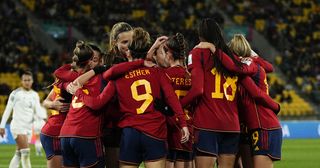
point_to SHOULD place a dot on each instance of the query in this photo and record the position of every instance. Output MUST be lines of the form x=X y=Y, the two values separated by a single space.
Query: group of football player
x=151 y=103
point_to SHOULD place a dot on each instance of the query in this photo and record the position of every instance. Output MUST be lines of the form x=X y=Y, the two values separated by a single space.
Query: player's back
x=181 y=83
x=81 y=121
x=136 y=92
x=254 y=114
x=217 y=107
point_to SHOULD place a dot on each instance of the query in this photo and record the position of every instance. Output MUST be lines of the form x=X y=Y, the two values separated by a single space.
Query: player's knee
x=25 y=152
x=18 y=153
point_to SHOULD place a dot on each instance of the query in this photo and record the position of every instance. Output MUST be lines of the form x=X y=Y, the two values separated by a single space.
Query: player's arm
x=197 y=78
x=39 y=112
x=97 y=102
x=173 y=102
x=227 y=62
x=51 y=103
x=246 y=69
x=7 y=113
x=267 y=66
x=65 y=73
x=260 y=96
x=120 y=69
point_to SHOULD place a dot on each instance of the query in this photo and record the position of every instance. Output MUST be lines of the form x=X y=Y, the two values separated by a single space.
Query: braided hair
x=177 y=45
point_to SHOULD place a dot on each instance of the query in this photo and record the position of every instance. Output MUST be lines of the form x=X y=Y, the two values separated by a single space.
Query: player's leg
x=206 y=148
x=228 y=148
x=68 y=156
x=226 y=160
x=15 y=161
x=246 y=157
x=112 y=138
x=130 y=148
x=23 y=146
x=266 y=146
x=52 y=148
x=156 y=164
x=37 y=125
x=203 y=161
x=55 y=162
x=262 y=161
x=171 y=157
x=89 y=152
x=238 y=162
x=127 y=165
x=155 y=151
x=184 y=159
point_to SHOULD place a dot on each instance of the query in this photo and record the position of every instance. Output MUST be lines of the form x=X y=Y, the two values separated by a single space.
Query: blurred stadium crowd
x=292 y=26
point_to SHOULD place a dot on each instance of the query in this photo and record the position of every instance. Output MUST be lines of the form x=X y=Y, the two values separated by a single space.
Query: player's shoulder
x=34 y=93
x=16 y=91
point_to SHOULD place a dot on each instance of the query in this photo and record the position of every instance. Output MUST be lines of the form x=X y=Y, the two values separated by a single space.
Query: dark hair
x=210 y=31
x=26 y=72
x=82 y=54
x=141 y=43
x=95 y=47
x=176 y=44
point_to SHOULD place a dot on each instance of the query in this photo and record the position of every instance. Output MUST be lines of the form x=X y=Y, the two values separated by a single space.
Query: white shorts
x=21 y=131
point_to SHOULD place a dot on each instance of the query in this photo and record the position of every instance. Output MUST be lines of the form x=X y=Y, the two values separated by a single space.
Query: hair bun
x=182 y=45
x=80 y=43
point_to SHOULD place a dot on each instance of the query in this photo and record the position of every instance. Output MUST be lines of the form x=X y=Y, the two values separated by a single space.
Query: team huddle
x=156 y=104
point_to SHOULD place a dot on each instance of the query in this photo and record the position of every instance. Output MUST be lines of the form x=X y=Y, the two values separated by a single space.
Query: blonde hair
x=240 y=46
x=118 y=28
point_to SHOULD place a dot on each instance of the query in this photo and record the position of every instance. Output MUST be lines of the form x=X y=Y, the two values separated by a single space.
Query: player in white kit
x=25 y=104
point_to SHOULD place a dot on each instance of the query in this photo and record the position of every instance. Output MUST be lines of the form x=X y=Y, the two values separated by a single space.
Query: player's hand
x=2 y=132
x=155 y=46
x=58 y=105
x=73 y=87
x=185 y=134
x=149 y=63
x=246 y=60
x=208 y=45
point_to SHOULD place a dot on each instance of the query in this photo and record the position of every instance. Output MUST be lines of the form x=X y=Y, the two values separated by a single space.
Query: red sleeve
x=64 y=73
x=257 y=94
x=172 y=99
x=267 y=66
x=97 y=102
x=197 y=78
x=121 y=68
x=231 y=66
x=63 y=85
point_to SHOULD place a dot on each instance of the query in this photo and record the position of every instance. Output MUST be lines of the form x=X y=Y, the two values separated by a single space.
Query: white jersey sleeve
x=40 y=113
x=8 y=110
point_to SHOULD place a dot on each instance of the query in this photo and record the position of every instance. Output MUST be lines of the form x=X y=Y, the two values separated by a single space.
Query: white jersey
x=25 y=105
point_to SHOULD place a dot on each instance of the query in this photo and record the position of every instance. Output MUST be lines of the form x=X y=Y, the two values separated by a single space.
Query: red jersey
x=55 y=121
x=254 y=114
x=136 y=91
x=265 y=64
x=80 y=120
x=181 y=82
x=217 y=105
x=216 y=108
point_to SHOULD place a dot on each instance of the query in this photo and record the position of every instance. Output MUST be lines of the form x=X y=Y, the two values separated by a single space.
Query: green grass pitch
x=295 y=153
